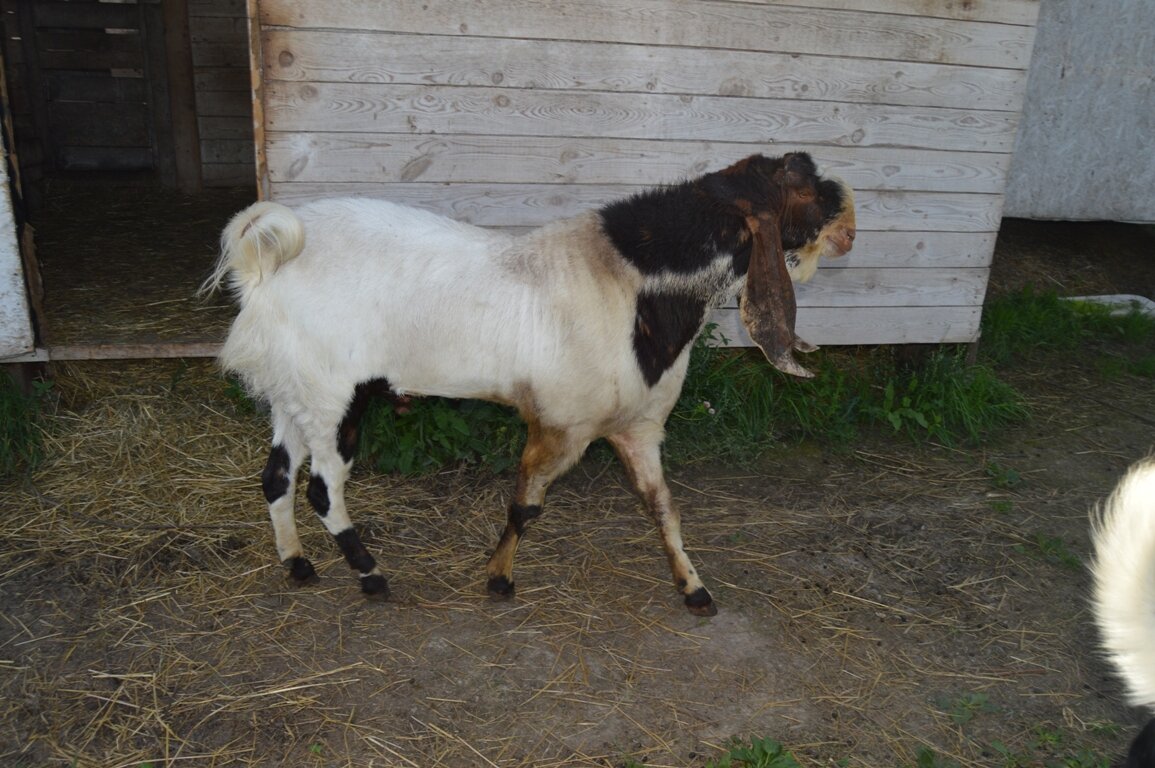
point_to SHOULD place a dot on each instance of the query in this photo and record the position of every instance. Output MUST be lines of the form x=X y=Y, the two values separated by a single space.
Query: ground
x=875 y=602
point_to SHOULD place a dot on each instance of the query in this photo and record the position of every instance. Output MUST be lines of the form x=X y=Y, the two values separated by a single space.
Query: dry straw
x=145 y=621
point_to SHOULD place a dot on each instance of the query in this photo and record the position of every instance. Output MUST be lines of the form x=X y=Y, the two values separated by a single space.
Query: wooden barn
x=510 y=114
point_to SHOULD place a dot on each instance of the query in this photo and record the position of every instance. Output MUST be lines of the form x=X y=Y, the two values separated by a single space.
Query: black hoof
x=301 y=572
x=700 y=603
x=375 y=587
x=499 y=588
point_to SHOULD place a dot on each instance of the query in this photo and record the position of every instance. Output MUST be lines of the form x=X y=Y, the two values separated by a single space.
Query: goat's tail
x=256 y=242
x=1124 y=580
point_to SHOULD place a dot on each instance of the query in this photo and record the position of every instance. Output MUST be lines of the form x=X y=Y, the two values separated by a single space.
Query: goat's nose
x=850 y=233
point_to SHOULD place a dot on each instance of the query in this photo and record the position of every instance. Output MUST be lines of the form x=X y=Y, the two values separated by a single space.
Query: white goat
x=1124 y=597
x=584 y=326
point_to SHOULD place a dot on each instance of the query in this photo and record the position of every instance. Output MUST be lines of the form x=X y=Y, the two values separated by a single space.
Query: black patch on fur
x=681 y=228
x=500 y=587
x=354 y=551
x=664 y=323
x=699 y=602
x=520 y=515
x=375 y=586
x=347 y=432
x=1142 y=752
x=301 y=570
x=275 y=476
x=318 y=494
x=678 y=229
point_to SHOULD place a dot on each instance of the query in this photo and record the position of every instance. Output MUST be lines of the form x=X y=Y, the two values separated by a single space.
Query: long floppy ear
x=767 y=306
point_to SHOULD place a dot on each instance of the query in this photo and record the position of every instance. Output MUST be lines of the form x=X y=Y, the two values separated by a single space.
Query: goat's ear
x=797 y=170
x=767 y=306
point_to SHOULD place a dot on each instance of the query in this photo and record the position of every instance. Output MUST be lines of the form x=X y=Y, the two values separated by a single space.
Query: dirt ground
x=874 y=602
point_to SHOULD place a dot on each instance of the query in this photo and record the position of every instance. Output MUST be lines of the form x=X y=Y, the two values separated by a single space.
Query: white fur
x=1124 y=580
x=372 y=289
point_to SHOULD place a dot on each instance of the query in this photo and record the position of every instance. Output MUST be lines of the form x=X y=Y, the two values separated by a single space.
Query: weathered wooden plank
x=95 y=124
x=227 y=127
x=383 y=158
x=219 y=29
x=415 y=109
x=16 y=335
x=104 y=158
x=917 y=249
x=229 y=8
x=94 y=86
x=518 y=205
x=223 y=79
x=228 y=175
x=89 y=50
x=239 y=151
x=1004 y=11
x=724 y=25
x=351 y=56
x=899 y=287
x=220 y=54
x=869 y=325
x=223 y=104
x=916 y=289
x=86 y=15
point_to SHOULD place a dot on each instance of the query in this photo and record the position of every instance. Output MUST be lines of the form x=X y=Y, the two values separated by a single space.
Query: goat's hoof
x=375 y=587
x=301 y=572
x=499 y=588
x=700 y=603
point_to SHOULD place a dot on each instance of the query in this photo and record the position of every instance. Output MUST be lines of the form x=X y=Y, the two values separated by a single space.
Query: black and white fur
x=584 y=326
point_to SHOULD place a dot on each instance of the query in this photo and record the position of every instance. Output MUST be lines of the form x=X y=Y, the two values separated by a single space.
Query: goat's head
x=786 y=206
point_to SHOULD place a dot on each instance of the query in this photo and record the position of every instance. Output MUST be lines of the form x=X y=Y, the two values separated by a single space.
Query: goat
x=1123 y=571
x=584 y=326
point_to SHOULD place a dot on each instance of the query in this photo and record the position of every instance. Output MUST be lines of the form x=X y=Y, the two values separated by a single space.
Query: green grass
x=21 y=446
x=1019 y=324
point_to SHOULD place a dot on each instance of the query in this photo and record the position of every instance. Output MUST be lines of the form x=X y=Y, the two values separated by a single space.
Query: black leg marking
x=500 y=587
x=275 y=476
x=318 y=494
x=1142 y=752
x=354 y=551
x=301 y=571
x=520 y=515
x=372 y=584
x=700 y=603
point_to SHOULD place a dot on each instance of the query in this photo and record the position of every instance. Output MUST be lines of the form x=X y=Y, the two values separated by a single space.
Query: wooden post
x=182 y=95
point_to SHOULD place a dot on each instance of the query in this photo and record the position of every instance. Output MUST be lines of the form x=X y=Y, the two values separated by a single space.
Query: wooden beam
x=182 y=96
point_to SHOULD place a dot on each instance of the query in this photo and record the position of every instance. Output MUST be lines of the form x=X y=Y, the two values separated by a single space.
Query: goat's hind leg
x=333 y=451
x=640 y=450
x=279 y=481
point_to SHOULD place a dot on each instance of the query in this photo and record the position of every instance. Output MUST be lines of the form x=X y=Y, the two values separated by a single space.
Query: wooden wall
x=220 y=55
x=510 y=113
x=1084 y=148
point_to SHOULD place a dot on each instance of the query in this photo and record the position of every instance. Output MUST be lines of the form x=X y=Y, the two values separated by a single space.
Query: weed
x=20 y=416
x=1002 y=477
x=1017 y=324
x=1053 y=550
x=963 y=709
x=928 y=758
x=758 y=753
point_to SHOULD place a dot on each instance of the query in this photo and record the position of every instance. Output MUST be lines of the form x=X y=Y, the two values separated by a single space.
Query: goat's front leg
x=326 y=493
x=548 y=453
x=640 y=450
